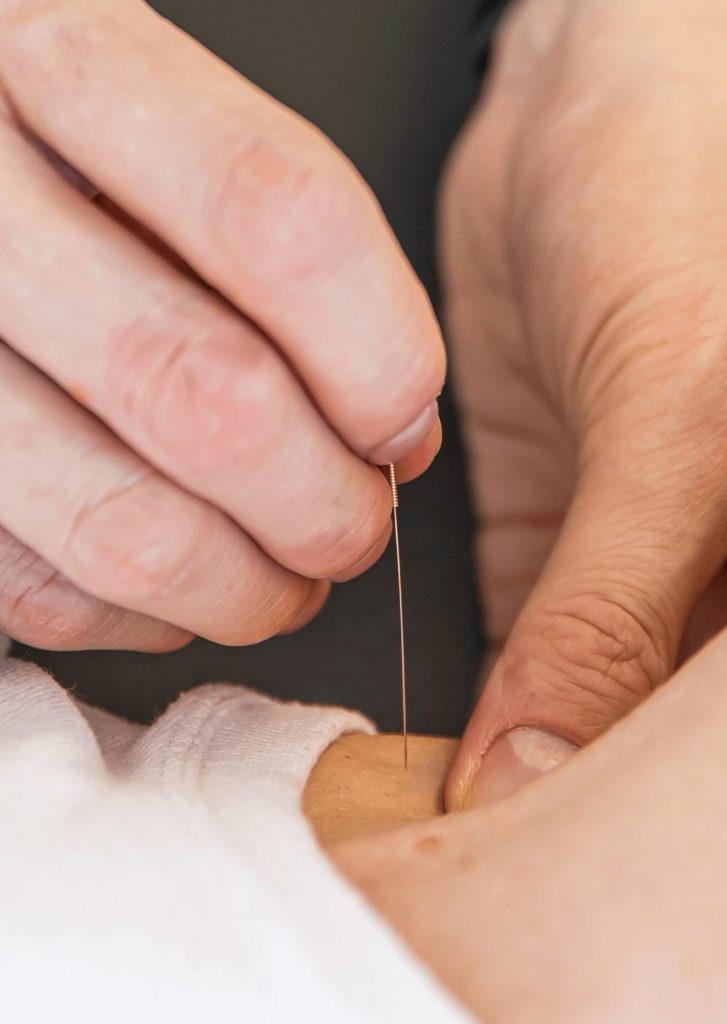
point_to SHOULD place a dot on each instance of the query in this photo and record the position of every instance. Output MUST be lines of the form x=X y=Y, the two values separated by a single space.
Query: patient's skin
x=593 y=895
x=359 y=786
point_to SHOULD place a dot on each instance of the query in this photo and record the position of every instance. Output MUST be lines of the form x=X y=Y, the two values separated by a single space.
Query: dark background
x=390 y=81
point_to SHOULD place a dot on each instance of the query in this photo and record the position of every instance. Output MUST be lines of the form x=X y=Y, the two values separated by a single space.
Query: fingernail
x=514 y=759
x=408 y=440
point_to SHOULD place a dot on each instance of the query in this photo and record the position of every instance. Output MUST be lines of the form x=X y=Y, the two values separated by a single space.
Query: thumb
x=601 y=627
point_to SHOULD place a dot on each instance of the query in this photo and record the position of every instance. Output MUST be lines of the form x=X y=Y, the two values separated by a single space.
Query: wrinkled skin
x=183 y=353
x=583 y=248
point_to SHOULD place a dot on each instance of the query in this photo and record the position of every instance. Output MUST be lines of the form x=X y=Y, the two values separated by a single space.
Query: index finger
x=249 y=194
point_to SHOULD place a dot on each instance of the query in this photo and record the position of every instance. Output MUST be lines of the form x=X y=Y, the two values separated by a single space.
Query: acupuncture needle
x=397 y=550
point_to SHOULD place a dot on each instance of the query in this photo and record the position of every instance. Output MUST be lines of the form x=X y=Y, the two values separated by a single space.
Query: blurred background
x=390 y=81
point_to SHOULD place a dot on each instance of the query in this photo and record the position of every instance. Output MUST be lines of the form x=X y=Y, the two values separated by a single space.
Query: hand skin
x=596 y=894
x=583 y=228
x=182 y=356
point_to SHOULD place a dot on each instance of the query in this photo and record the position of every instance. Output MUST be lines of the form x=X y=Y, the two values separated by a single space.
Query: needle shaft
x=402 y=647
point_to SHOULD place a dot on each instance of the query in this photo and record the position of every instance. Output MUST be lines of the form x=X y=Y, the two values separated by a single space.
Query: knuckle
x=597 y=658
x=38 y=606
x=292 y=200
x=131 y=543
x=200 y=387
x=38 y=622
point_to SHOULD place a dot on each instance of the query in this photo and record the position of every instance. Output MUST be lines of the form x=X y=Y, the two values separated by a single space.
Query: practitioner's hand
x=200 y=370
x=585 y=258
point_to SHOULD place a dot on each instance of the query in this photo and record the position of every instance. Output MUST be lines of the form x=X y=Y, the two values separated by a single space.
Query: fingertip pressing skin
x=503 y=748
x=516 y=758
x=599 y=632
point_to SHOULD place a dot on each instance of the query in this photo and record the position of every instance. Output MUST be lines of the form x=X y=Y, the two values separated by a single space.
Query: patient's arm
x=595 y=894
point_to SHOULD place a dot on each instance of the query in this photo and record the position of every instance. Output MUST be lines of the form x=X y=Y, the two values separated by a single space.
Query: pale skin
x=582 y=233
x=184 y=355
x=594 y=894
x=167 y=375
x=583 y=236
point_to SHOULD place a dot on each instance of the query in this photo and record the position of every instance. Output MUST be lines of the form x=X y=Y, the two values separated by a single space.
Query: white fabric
x=166 y=874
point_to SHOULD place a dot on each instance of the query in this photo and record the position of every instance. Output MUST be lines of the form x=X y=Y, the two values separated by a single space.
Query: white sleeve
x=167 y=875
